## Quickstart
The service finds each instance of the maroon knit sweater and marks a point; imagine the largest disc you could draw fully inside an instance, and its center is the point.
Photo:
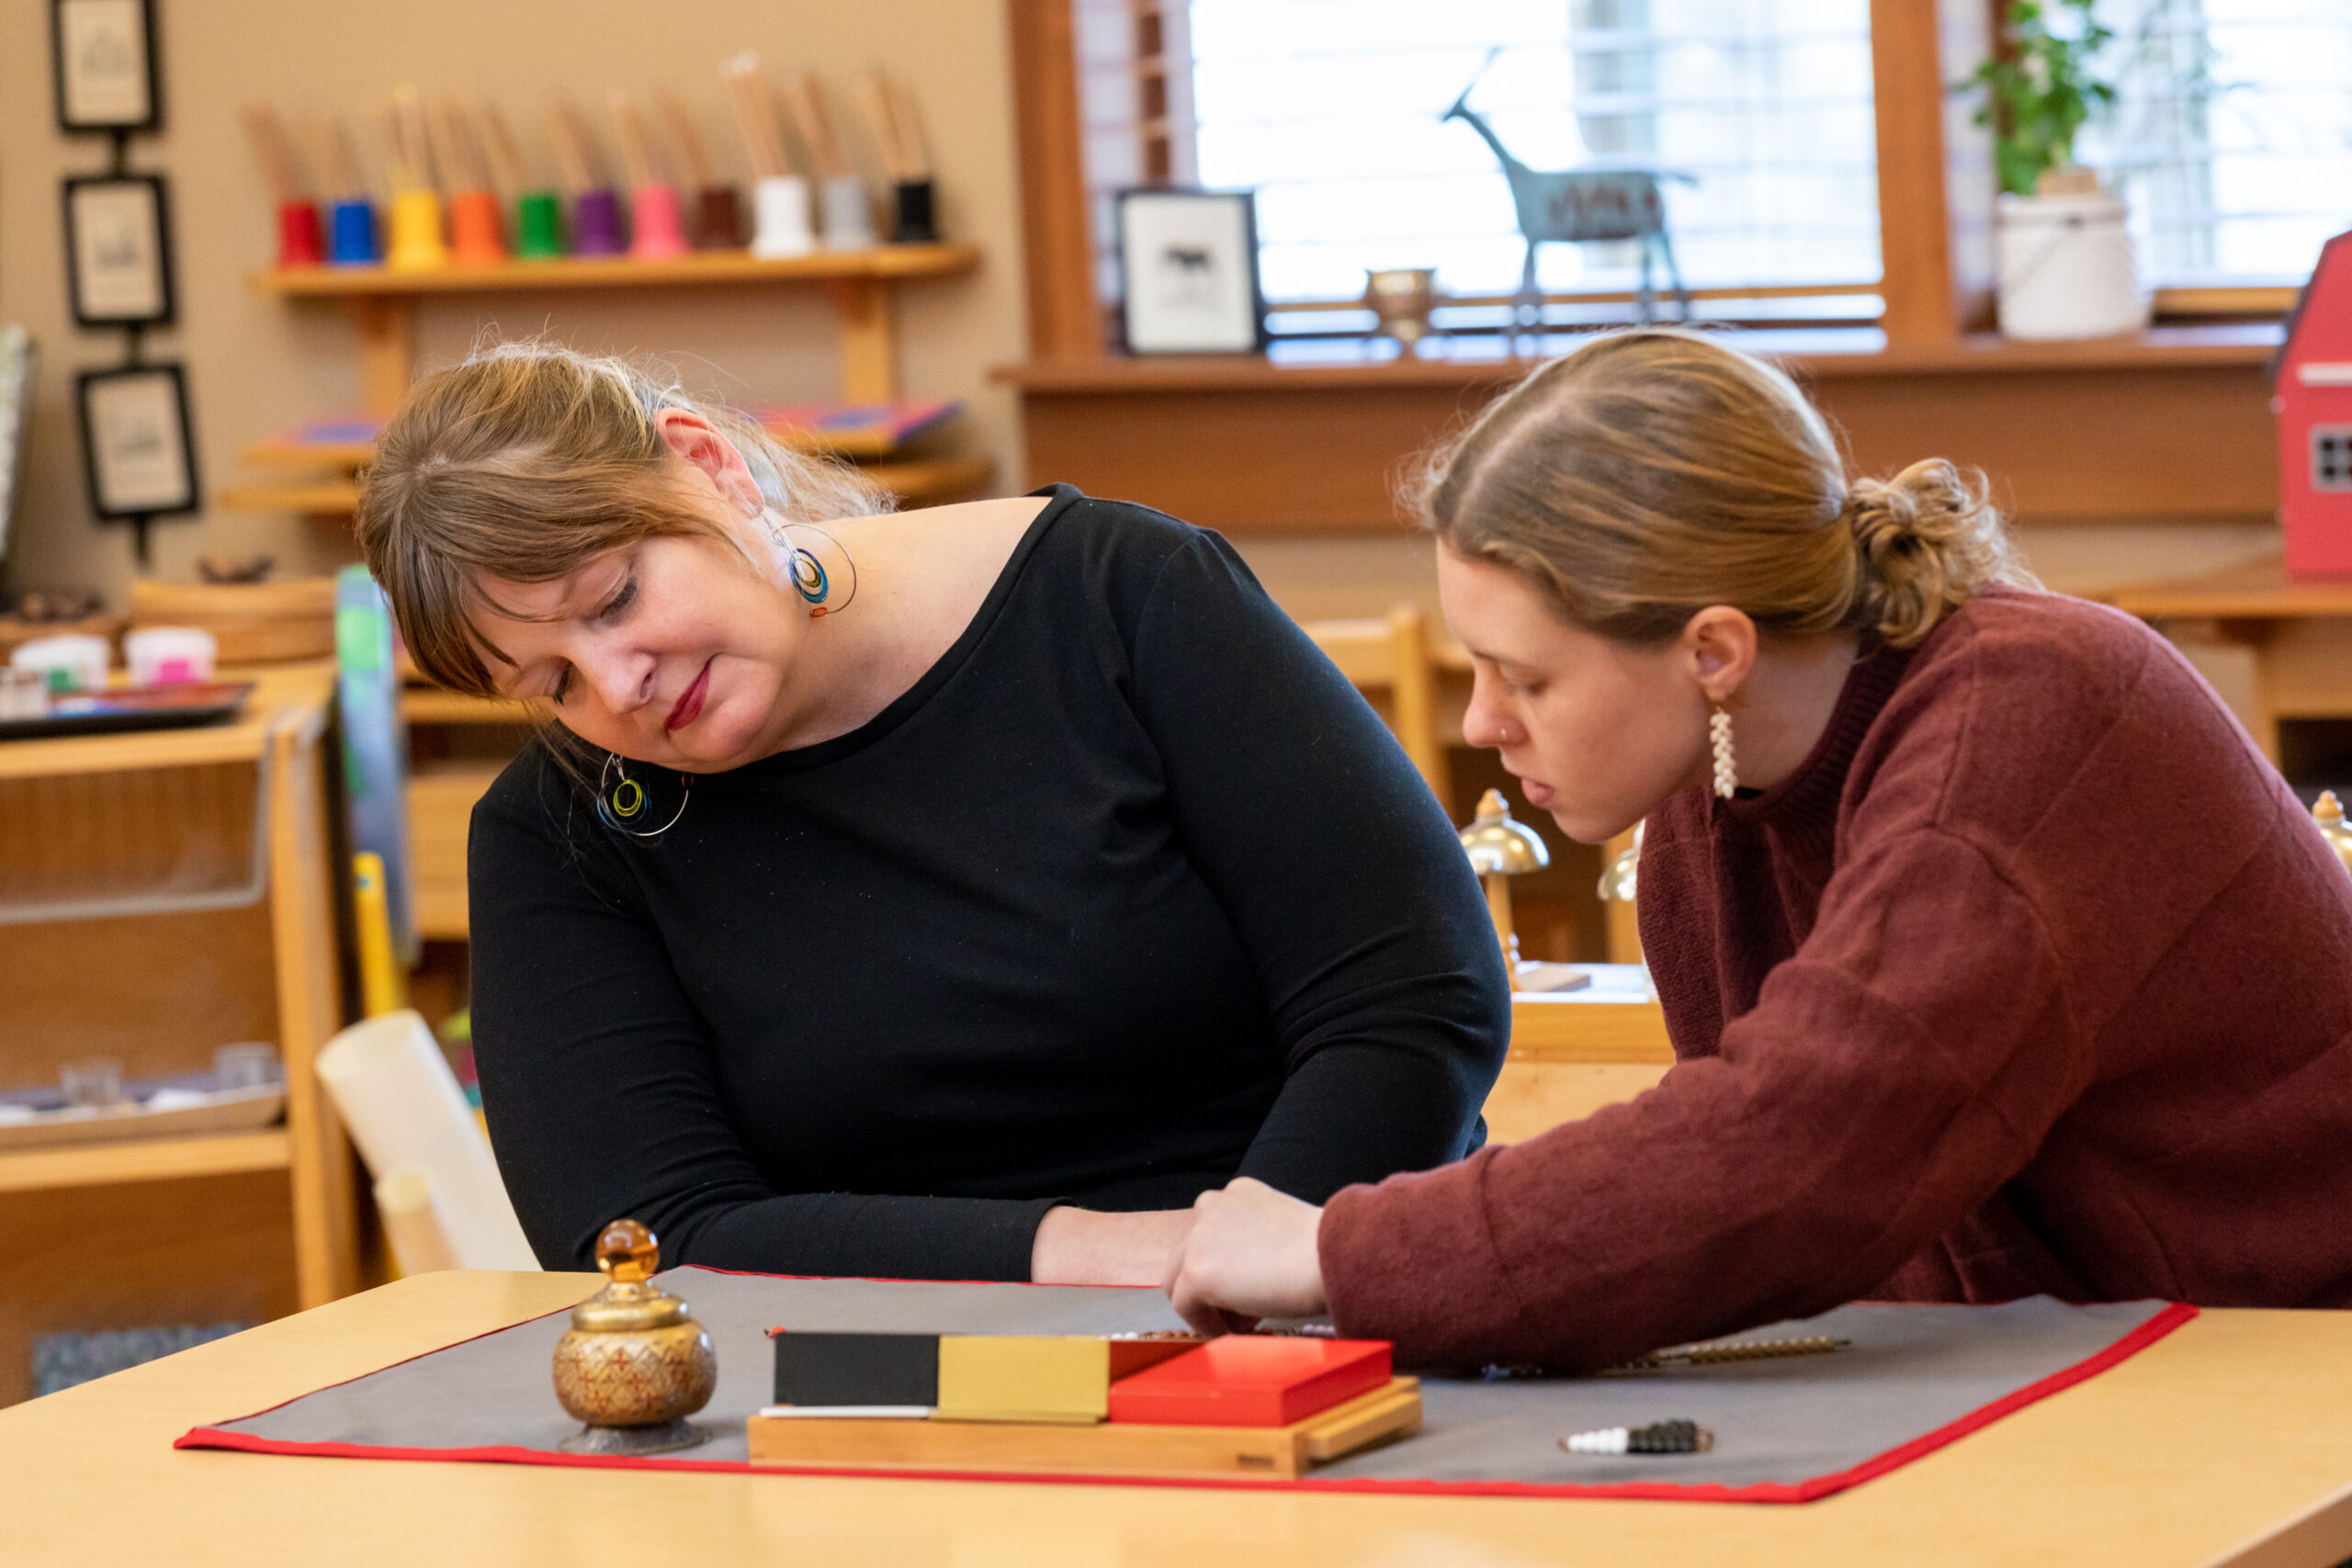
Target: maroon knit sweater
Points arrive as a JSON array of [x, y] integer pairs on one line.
[[2033, 977]]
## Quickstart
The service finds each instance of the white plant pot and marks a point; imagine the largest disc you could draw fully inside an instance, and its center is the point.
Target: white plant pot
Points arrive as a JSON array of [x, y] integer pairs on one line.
[[2066, 268]]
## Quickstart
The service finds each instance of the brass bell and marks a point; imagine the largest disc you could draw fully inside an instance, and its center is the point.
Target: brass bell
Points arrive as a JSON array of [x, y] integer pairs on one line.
[[634, 1364], [1500, 849], [1617, 883], [2329, 814]]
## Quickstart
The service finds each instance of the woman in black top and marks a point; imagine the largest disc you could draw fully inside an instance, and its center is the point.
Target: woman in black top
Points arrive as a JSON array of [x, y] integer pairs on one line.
[[970, 933]]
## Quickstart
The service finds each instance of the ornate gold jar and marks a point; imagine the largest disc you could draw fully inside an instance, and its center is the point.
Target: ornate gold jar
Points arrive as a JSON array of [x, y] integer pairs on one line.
[[634, 1364]]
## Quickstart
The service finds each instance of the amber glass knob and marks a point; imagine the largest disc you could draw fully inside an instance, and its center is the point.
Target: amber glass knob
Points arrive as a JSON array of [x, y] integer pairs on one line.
[[627, 1253]]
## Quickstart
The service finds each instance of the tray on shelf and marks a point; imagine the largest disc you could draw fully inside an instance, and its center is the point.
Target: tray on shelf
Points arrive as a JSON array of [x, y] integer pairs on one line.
[[177, 707], [171, 1108]]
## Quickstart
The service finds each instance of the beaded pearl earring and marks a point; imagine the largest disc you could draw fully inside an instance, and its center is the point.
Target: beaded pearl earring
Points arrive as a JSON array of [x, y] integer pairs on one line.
[[1718, 738]]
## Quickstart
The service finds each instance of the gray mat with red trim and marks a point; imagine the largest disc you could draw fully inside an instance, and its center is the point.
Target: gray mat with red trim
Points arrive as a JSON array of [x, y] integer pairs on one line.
[[1912, 1378]]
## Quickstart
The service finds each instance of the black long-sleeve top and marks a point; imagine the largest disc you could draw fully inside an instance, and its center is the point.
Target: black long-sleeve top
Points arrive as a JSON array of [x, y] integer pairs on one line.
[[1128, 894]]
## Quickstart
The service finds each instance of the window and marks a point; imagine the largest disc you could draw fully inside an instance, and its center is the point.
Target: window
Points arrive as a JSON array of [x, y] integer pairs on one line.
[[1758, 112], [2331, 458], [2233, 135]]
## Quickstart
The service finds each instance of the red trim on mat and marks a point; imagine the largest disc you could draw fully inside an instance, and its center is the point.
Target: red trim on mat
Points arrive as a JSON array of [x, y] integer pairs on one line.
[[2162, 1322]]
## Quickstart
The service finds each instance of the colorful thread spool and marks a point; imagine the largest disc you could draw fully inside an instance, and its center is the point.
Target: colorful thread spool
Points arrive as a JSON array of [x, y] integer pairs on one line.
[[660, 225], [476, 237], [916, 222], [416, 244], [351, 234], [596, 229], [849, 222], [780, 216], [538, 225], [718, 219], [299, 243]]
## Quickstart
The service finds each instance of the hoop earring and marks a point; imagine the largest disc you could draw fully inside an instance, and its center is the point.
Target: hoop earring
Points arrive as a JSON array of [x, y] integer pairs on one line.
[[1719, 740], [626, 800], [807, 573]]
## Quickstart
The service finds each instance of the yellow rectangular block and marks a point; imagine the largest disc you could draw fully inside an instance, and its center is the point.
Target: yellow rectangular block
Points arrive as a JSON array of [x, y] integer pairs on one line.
[[1021, 1378]]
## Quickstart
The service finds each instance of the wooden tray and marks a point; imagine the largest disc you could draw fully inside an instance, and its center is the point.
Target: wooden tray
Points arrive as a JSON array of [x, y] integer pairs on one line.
[[1110, 1448]]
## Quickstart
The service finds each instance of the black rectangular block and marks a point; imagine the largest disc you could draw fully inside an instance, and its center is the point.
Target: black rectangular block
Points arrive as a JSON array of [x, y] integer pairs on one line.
[[856, 1369]]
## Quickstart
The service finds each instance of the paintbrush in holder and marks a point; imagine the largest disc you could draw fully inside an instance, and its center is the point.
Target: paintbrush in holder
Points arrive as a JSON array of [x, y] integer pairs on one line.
[[597, 226], [476, 237], [655, 215], [717, 209], [350, 218], [849, 222], [538, 210], [890, 114], [300, 241], [417, 243], [779, 197]]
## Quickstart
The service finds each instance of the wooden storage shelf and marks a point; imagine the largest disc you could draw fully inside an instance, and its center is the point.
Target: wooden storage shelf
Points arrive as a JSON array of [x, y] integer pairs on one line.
[[441, 797], [144, 1159], [623, 272], [383, 302], [192, 1226]]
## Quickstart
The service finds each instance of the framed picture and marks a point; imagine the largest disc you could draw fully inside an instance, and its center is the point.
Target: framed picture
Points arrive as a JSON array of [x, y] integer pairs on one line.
[[102, 57], [1189, 261], [135, 443], [118, 250]]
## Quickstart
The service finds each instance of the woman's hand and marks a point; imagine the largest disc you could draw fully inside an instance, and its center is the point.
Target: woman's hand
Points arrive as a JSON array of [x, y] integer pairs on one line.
[[1086, 1246], [1250, 1253]]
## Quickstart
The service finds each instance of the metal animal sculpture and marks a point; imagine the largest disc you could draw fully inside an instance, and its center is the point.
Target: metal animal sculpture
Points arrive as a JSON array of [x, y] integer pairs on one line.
[[1581, 206]]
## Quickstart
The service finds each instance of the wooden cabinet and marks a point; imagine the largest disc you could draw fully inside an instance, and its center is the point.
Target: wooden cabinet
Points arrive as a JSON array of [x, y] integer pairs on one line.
[[162, 894]]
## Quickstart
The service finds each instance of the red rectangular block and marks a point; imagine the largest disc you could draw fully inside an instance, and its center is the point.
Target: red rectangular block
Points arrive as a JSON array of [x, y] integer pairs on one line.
[[1248, 1381]]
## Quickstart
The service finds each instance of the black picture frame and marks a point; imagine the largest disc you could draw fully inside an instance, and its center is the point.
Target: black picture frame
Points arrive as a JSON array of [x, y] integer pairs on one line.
[[1188, 272], [138, 444], [118, 250], [102, 61]]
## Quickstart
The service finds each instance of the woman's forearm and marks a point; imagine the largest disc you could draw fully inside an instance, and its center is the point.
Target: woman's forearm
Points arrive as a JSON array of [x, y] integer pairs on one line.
[[1086, 1246]]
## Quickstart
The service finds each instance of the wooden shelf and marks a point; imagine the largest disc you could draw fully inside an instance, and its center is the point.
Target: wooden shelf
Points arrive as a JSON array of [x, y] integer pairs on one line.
[[244, 740], [431, 704], [932, 481], [330, 498], [1814, 354], [882, 262], [2253, 591], [315, 454], [144, 1159], [926, 482]]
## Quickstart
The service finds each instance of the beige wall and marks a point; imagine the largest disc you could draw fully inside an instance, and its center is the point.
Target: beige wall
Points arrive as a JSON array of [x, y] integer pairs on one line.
[[258, 365]]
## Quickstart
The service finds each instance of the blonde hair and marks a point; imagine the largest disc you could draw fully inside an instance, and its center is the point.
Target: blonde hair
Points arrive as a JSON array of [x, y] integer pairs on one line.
[[527, 461], [1649, 474]]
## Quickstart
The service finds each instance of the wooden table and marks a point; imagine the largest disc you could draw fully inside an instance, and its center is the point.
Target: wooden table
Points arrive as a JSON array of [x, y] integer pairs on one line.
[[2299, 632], [2229, 1442]]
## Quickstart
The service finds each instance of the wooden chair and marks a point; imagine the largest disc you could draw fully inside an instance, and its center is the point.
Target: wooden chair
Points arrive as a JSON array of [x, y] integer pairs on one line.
[[1391, 661]]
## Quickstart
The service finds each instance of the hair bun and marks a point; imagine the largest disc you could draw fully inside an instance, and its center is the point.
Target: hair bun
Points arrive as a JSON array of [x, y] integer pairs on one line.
[[1924, 542]]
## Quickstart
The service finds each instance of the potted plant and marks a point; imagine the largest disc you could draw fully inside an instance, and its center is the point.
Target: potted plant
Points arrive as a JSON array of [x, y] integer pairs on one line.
[[2063, 255]]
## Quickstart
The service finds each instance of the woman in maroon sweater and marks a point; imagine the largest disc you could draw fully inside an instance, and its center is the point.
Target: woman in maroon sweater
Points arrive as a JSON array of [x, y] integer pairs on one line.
[[1995, 958]]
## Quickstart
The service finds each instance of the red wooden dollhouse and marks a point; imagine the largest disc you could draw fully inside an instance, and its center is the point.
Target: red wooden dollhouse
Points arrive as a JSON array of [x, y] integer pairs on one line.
[[2313, 399]]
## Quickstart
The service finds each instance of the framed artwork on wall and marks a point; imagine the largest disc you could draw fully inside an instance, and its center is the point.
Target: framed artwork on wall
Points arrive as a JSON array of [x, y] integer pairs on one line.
[[136, 446], [1188, 260], [118, 250], [102, 59]]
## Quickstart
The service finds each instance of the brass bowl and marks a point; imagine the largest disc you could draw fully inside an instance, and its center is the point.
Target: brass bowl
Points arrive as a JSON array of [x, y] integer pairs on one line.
[[639, 1377]]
